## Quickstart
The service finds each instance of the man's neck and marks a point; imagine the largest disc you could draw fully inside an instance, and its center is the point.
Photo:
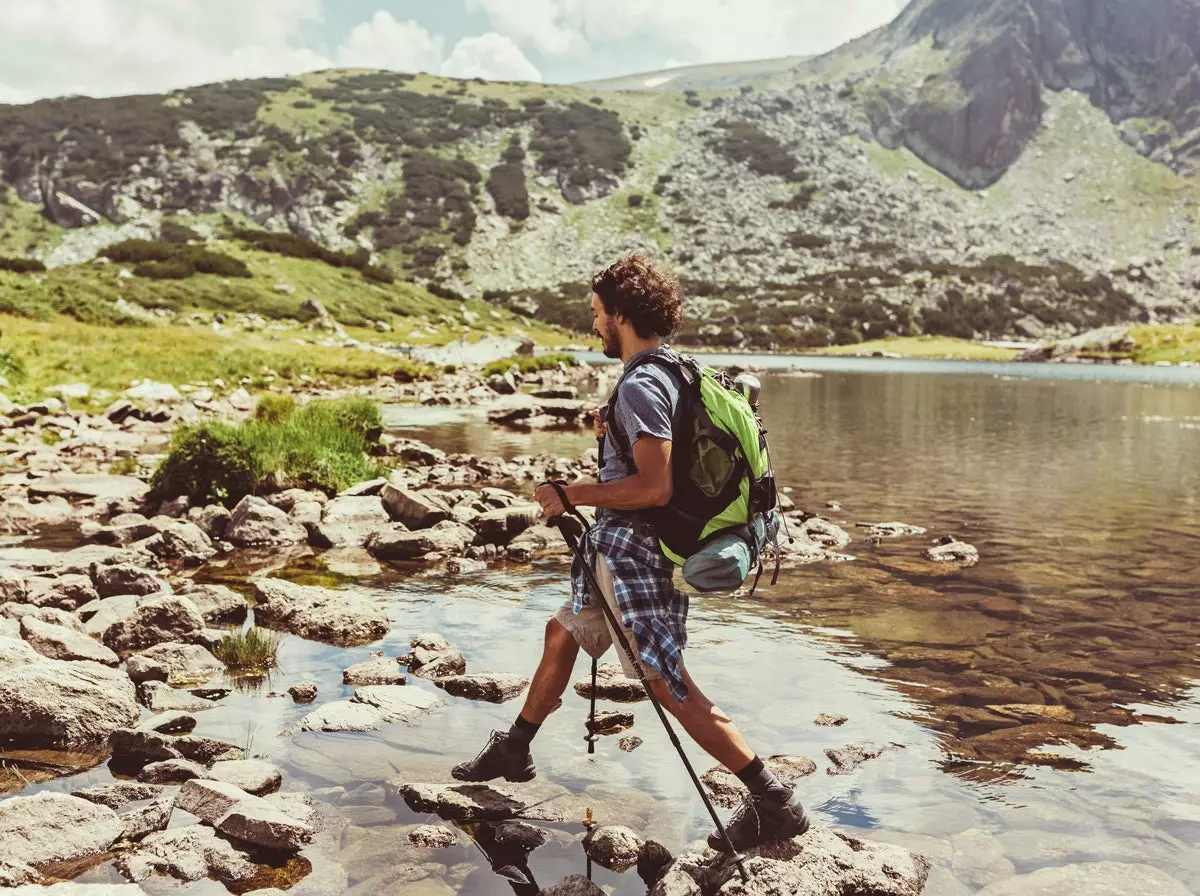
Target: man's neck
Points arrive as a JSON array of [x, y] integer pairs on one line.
[[636, 345]]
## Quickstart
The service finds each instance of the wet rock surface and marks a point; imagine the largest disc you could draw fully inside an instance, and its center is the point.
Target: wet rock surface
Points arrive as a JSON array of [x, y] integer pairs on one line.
[[320, 614], [54, 827], [490, 687], [612, 684], [727, 791]]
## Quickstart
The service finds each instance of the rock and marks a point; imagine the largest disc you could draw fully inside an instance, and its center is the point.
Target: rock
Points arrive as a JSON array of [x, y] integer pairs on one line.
[[213, 520], [118, 794], [348, 521], [727, 791], [630, 743], [460, 802], [207, 750], [573, 885], [172, 771], [826, 720], [952, 551], [68, 592], [98, 615], [121, 410], [217, 604], [148, 819], [265, 826], [251, 775], [15, 874], [820, 863], [978, 859], [60, 643], [653, 862], [174, 662], [502, 383], [48, 703], [159, 696], [150, 391], [414, 451], [305, 692], [436, 664], [255, 522], [54, 827], [432, 836], [157, 620], [612, 846], [48, 615], [881, 531], [503, 525], [610, 721], [414, 510], [173, 721], [461, 566], [1091, 878], [612, 684], [399, 544], [491, 687], [138, 747], [376, 671], [186, 543], [343, 618], [123, 579], [210, 800], [88, 487], [675, 881], [190, 853], [370, 709], [847, 759]]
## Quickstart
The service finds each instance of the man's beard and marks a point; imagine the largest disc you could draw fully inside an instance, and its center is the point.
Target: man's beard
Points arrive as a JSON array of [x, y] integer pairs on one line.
[[611, 343]]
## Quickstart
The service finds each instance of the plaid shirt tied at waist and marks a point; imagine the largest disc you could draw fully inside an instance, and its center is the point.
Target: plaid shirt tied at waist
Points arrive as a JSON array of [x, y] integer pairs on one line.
[[651, 606]]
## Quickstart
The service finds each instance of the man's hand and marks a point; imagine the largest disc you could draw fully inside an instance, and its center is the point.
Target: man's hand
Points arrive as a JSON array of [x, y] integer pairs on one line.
[[552, 506], [599, 425]]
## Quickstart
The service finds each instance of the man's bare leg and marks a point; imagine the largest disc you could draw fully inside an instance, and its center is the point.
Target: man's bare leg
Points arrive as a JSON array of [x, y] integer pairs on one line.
[[553, 673], [707, 724]]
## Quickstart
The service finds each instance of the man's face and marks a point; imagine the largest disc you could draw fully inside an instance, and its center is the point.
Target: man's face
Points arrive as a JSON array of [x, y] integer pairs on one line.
[[604, 325]]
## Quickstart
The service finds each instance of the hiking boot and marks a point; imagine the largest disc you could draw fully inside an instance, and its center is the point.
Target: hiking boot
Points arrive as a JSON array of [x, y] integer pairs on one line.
[[498, 759], [763, 817]]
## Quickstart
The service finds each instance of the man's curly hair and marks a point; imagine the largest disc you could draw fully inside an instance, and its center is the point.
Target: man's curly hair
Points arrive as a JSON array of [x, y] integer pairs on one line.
[[642, 294]]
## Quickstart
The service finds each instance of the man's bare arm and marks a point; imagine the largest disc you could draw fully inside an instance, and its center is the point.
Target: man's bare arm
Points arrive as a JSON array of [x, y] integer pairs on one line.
[[650, 486]]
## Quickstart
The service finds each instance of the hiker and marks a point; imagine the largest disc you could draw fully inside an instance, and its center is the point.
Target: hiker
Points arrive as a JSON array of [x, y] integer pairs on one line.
[[635, 307]]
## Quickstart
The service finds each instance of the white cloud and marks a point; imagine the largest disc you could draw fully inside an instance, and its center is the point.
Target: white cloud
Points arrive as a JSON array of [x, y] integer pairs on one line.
[[383, 42], [492, 56], [109, 47], [692, 31], [542, 24]]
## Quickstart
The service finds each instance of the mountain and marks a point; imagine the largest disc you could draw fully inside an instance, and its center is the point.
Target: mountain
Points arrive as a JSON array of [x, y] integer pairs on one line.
[[992, 168]]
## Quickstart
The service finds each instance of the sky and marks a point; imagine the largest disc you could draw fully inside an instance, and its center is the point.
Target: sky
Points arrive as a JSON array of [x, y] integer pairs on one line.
[[115, 47]]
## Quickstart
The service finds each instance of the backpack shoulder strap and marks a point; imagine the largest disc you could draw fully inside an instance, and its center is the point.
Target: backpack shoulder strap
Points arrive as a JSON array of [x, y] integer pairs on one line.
[[687, 374]]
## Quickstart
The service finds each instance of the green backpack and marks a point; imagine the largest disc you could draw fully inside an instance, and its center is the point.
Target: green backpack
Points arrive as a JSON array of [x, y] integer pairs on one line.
[[722, 477]]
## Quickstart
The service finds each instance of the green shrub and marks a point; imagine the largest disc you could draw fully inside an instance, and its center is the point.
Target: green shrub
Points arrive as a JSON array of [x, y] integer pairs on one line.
[[209, 463], [295, 246], [762, 153], [11, 367], [274, 408], [22, 265], [533, 364], [506, 183], [138, 251], [254, 650], [360, 415], [174, 232], [636, 200], [172, 269], [801, 240], [217, 263]]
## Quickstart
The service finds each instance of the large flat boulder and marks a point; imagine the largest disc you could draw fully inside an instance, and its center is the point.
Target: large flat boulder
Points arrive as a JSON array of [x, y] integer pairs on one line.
[[397, 543], [491, 687], [243, 816], [156, 620], [190, 853], [217, 604], [343, 618], [94, 487], [61, 643], [174, 662], [255, 522], [504, 524], [347, 521], [185, 543], [371, 708], [252, 775], [414, 509], [54, 827], [57, 703], [376, 671], [118, 794], [112, 579]]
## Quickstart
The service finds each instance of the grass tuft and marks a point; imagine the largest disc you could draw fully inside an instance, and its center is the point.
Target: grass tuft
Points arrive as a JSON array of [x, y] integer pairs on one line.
[[533, 364], [253, 651]]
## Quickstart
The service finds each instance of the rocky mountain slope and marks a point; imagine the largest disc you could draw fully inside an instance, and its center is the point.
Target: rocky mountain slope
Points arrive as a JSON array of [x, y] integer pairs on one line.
[[838, 200]]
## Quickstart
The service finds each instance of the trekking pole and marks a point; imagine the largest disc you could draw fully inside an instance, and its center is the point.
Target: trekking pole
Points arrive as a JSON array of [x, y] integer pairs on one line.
[[592, 737], [561, 523]]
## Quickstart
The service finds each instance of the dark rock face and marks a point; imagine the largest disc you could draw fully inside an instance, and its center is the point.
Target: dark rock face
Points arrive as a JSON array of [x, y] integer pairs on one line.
[[1136, 59]]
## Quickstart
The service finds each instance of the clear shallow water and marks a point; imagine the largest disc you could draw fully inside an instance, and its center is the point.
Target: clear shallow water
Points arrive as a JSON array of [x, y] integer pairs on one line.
[[1082, 500]]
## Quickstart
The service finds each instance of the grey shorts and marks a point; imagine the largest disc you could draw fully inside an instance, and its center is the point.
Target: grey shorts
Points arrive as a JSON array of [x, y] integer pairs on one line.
[[591, 630]]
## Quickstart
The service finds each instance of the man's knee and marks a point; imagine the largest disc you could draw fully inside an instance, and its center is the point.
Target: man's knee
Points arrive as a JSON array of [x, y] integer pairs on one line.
[[559, 641], [663, 693]]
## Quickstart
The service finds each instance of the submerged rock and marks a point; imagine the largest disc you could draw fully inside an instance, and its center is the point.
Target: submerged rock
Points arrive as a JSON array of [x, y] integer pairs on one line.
[[343, 618], [847, 759], [1092, 878], [950, 550], [370, 709], [432, 836]]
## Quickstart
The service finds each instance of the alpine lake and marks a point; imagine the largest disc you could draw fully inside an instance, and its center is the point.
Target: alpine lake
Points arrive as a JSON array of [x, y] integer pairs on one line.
[[1035, 710]]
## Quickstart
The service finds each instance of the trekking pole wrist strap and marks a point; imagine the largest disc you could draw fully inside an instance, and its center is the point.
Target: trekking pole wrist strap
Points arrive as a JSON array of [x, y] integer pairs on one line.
[[560, 489]]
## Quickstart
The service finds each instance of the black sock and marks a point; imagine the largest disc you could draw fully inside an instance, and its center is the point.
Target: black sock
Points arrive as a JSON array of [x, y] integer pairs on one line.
[[761, 780], [522, 732]]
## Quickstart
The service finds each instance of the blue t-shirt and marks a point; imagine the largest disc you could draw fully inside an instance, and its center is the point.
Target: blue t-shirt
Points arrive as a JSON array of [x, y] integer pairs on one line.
[[646, 403]]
